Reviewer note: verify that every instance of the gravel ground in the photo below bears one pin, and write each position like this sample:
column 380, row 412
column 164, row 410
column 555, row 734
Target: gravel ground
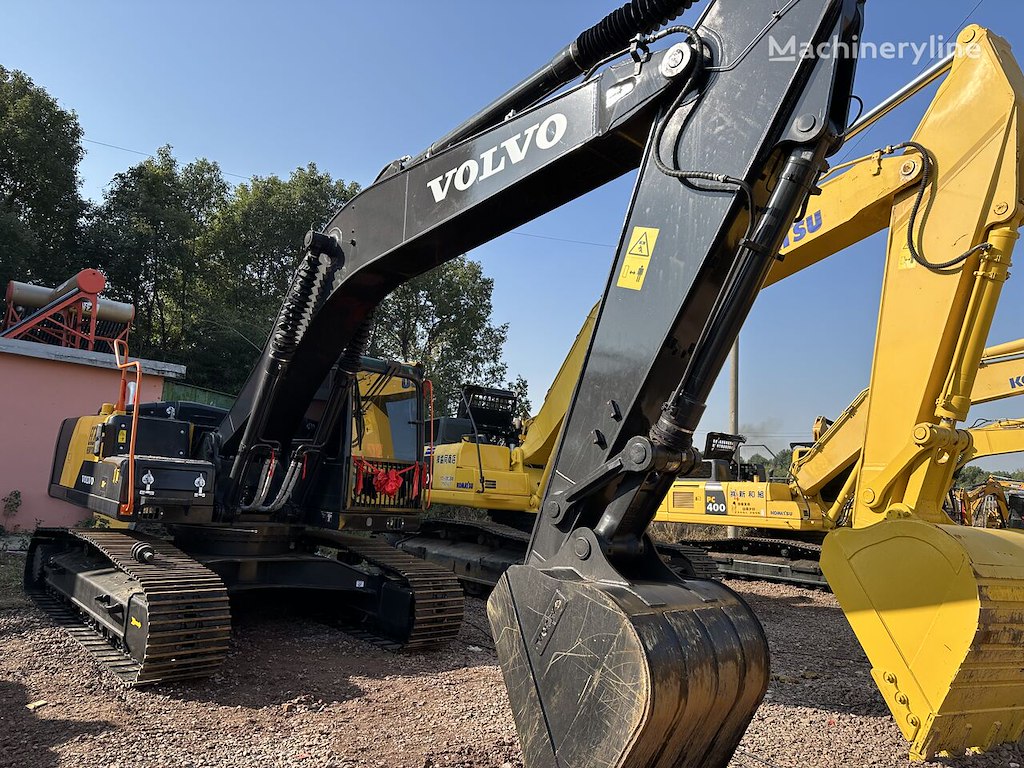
column 297, row 693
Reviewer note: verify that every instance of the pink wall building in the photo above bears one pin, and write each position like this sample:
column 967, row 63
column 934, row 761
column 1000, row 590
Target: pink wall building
column 40, row 386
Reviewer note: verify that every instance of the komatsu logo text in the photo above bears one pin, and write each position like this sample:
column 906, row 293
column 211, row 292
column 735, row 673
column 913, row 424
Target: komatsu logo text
column 1017, row 383
column 803, row 229
column 543, row 135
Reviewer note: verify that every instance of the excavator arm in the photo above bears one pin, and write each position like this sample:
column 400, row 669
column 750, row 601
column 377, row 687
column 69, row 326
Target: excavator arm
column 838, row 450
column 609, row 658
column 1001, row 373
column 968, row 183
column 995, row 439
column 934, row 604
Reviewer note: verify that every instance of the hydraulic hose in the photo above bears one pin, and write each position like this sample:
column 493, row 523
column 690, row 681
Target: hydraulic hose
column 351, row 359
column 614, row 31
column 591, row 47
column 681, row 414
column 348, row 365
column 915, row 246
column 297, row 307
column 292, row 319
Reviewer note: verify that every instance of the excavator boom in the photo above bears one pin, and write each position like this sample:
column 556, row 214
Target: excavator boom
column 934, row 604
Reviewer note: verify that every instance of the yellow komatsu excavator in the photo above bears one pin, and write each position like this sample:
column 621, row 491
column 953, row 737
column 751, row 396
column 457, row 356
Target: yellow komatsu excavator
column 934, row 604
column 817, row 491
column 474, row 466
column 996, row 503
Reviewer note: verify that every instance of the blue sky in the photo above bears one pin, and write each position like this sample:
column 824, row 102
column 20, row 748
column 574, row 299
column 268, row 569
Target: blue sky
column 263, row 87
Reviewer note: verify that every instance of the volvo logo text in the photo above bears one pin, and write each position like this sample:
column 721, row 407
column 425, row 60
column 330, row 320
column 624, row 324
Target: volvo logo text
column 543, row 135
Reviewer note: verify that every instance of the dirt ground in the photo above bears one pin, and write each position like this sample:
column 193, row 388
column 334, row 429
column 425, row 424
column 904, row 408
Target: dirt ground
column 298, row 693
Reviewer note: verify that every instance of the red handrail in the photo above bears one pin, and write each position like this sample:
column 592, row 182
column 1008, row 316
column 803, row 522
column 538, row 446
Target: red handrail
column 124, row 365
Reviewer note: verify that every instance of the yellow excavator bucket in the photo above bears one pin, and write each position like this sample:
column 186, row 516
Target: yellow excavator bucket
column 939, row 610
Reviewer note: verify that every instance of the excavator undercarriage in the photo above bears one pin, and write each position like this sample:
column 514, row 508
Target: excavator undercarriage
column 152, row 583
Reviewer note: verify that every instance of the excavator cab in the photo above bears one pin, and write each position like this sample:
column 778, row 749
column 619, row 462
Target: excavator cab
column 491, row 413
column 1015, row 502
column 484, row 415
column 372, row 470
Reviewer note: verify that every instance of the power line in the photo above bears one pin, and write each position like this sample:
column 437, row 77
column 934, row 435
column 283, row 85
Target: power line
column 148, row 154
column 114, row 146
column 966, row 19
column 561, row 239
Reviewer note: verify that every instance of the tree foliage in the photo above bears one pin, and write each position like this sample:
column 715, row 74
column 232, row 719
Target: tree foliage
column 145, row 235
column 972, row 475
column 776, row 466
column 521, row 389
column 442, row 319
column 207, row 265
column 254, row 240
column 968, row 477
column 40, row 204
column 251, row 247
column 207, row 268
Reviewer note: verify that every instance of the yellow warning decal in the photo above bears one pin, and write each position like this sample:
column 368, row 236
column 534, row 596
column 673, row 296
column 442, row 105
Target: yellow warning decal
column 637, row 262
column 122, row 436
column 136, row 623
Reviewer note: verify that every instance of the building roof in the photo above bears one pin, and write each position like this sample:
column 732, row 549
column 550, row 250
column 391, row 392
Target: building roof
column 84, row 357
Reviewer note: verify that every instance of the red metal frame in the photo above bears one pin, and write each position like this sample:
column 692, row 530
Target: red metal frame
column 70, row 320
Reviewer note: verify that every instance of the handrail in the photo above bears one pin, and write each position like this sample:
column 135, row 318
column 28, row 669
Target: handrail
column 124, row 365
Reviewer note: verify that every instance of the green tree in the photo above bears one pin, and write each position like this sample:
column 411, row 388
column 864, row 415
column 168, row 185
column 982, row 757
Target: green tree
column 442, row 319
column 780, row 463
column 250, row 246
column 970, row 476
column 777, row 466
column 521, row 389
column 40, row 203
column 145, row 237
column 759, row 458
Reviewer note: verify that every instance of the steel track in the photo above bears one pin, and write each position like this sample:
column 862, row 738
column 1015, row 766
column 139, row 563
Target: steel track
column 438, row 600
column 778, row 560
column 686, row 559
column 187, row 613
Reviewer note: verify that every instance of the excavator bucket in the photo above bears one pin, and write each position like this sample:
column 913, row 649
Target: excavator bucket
column 939, row 610
column 644, row 675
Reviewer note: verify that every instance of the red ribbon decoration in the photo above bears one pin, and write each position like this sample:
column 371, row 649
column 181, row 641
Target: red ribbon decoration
column 385, row 481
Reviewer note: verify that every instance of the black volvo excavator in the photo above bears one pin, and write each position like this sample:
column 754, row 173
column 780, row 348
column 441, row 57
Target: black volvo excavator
column 610, row 658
